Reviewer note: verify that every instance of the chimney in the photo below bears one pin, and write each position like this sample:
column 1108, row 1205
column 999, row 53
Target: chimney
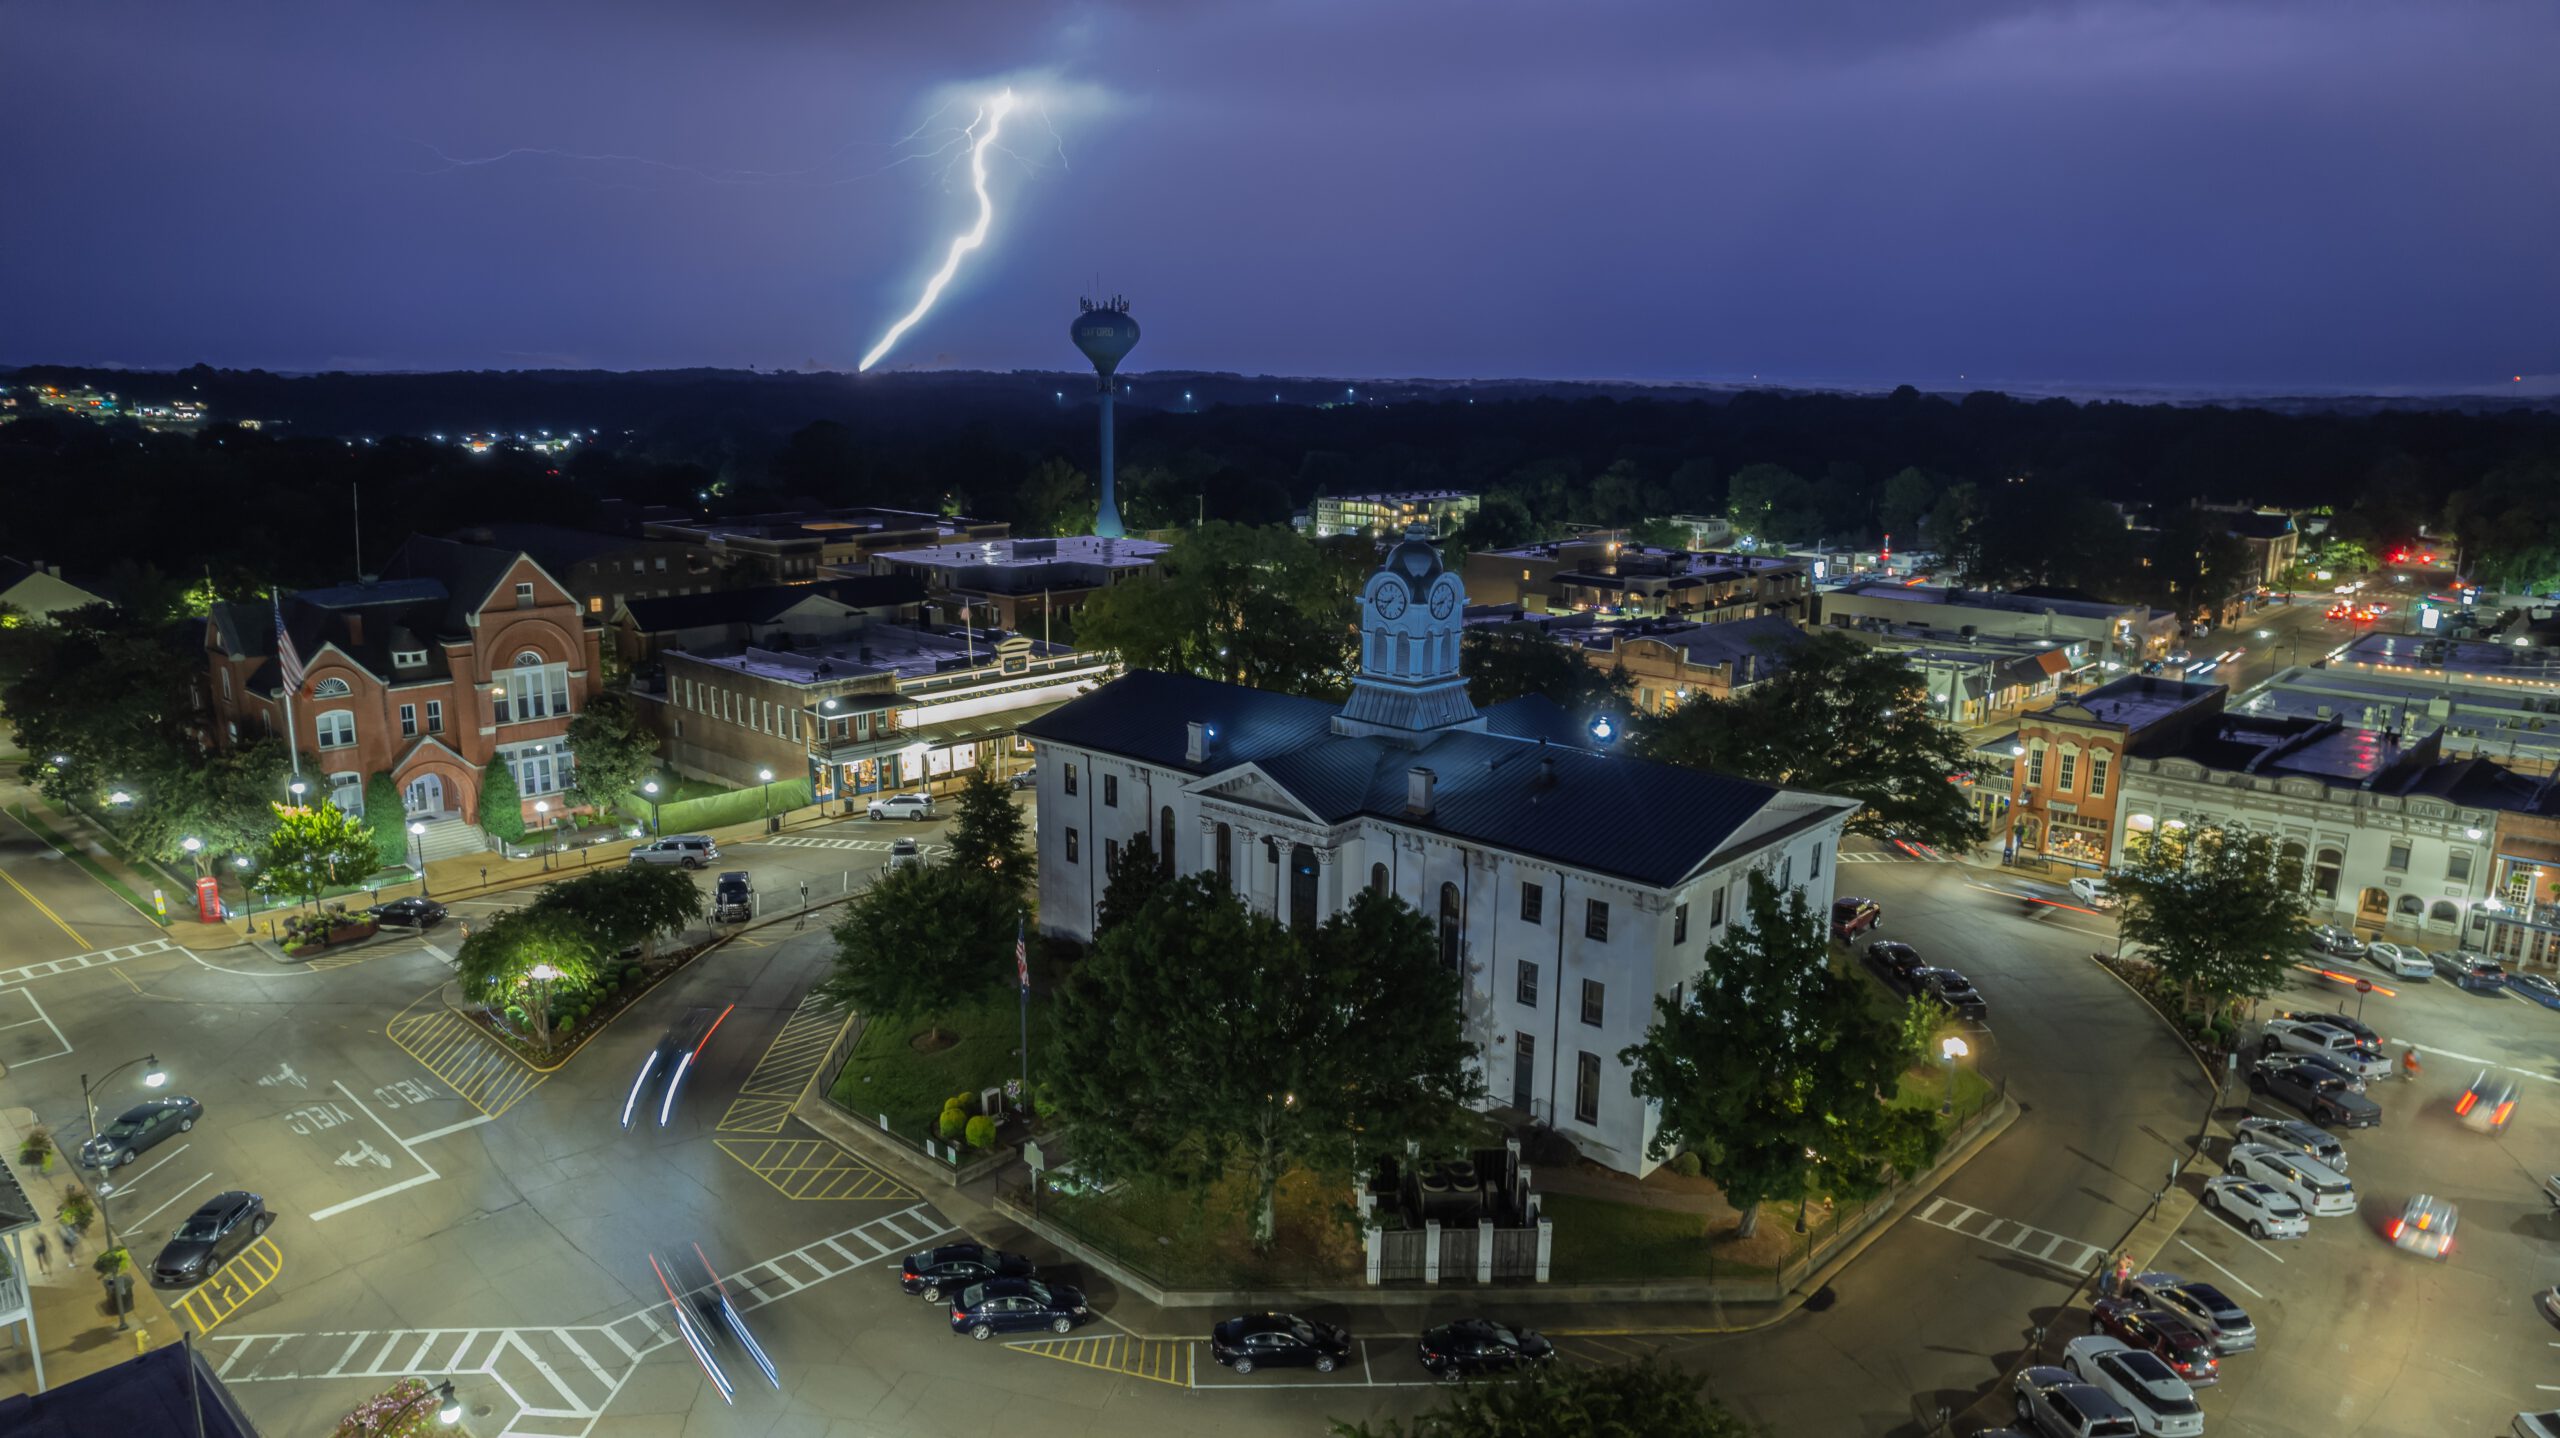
column 1204, row 738
column 1417, row 791
column 355, row 628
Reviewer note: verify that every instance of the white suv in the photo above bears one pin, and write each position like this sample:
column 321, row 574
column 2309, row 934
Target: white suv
column 2054, row 1402
column 903, row 806
column 2264, row 1210
column 691, row 851
column 2316, row 1186
column 2162, row 1404
column 2303, row 1036
column 2093, row 892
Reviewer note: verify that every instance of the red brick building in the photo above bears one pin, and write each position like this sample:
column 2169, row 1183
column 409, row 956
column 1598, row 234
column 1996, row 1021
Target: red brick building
column 454, row 657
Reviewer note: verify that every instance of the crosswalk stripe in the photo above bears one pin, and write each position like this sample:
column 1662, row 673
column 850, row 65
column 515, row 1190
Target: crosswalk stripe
column 2070, row 1254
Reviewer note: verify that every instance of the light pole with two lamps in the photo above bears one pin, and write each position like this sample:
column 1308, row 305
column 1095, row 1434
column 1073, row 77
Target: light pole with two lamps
column 153, row 1076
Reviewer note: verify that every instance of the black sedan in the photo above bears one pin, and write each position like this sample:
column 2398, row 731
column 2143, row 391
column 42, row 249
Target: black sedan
column 1955, row 993
column 138, row 1128
column 1017, row 1305
column 1473, row 1347
column 212, row 1236
column 1271, row 1340
column 409, row 913
column 955, row 1266
column 1898, row 962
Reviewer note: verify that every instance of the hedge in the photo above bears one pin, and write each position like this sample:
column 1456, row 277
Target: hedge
column 738, row 806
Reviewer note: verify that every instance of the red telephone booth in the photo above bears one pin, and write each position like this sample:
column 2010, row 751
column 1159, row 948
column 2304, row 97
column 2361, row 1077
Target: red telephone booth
column 208, row 901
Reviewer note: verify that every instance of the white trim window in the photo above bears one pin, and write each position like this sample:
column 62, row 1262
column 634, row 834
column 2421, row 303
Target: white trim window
column 331, row 689
column 544, row 766
column 408, row 659
column 408, row 721
column 346, row 790
column 533, row 690
column 336, row 728
column 435, row 716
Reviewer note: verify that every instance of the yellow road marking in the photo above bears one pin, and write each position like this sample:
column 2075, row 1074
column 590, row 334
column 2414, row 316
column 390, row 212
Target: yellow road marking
column 812, row 1170
column 233, row 1284
column 764, row 1100
column 41, row 908
column 1158, row 1360
column 476, row 1067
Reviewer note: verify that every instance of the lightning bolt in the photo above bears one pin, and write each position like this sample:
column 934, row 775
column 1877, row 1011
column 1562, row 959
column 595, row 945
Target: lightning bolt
column 993, row 116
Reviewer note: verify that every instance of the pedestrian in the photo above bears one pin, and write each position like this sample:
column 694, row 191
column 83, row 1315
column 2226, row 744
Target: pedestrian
column 70, row 1244
column 44, row 1252
column 2409, row 1062
column 466, row 929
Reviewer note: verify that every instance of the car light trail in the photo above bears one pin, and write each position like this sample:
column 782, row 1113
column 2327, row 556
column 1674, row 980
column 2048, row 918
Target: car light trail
column 2350, row 980
column 961, row 245
column 648, row 1066
column 737, row 1322
column 693, row 1340
column 675, row 1084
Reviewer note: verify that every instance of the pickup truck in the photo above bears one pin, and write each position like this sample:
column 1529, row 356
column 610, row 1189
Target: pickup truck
column 2322, row 1097
column 2327, row 1041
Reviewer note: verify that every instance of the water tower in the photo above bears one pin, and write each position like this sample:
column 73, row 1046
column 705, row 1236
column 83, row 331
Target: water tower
column 1106, row 334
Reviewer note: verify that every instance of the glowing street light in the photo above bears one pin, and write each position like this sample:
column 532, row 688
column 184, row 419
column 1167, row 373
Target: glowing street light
column 651, row 789
column 1951, row 1048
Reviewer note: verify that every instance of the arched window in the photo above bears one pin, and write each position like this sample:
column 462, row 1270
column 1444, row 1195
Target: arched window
column 528, row 660
column 1226, row 856
column 1449, row 926
column 1164, row 844
column 2325, row 871
column 2444, row 913
column 1378, row 878
column 2412, row 905
column 2290, row 861
column 1303, row 873
column 331, row 689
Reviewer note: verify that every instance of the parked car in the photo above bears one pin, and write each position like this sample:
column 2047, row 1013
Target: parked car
column 2185, row 1345
column 2536, row 1425
column 2400, row 960
column 1955, row 993
column 2548, row 1300
column 905, row 854
column 2318, row 1092
column 2316, row 1186
column 1274, row 1340
column 733, row 898
column 2426, row 1226
column 2263, row 1209
column 1016, row 1305
column 2331, row 939
column 212, row 1236
column 2059, row 1405
column 2208, row 1308
column 691, row 851
column 413, row 912
column 2335, row 1046
column 2162, row 1404
column 2536, row 988
column 902, row 806
column 2470, row 969
column 138, row 1128
column 1897, row 962
column 2291, row 1135
column 2093, row 892
column 2364, row 1034
column 955, row 1266
column 1026, row 777
column 1852, row 917
column 1473, row 1347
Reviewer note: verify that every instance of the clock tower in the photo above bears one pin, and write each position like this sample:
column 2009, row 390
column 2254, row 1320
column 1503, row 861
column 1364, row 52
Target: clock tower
column 1412, row 612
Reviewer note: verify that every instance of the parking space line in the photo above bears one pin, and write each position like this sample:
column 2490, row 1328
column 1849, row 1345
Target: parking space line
column 136, row 1225
column 2227, row 1273
column 110, row 1190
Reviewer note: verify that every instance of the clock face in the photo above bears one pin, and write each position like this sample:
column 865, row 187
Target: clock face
column 1444, row 599
column 1391, row 602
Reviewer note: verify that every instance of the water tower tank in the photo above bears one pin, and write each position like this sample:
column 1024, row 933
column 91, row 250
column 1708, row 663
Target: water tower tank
column 1106, row 336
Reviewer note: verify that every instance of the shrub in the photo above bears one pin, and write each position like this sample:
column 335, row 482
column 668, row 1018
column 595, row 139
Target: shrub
column 36, row 1149
column 954, row 1123
column 1687, row 1165
column 111, row 1262
column 78, row 1210
column 982, row 1131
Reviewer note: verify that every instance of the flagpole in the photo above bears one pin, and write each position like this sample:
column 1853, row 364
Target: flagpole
column 292, row 742
column 1022, row 968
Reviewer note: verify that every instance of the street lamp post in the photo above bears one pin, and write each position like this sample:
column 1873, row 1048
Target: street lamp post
column 542, row 821
column 1951, row 1048
column 765, row 778
column 152, row 1077
column 195, row 850
column 418, row 853
column 448, row 1407
column 248, row 891
column 651, row 789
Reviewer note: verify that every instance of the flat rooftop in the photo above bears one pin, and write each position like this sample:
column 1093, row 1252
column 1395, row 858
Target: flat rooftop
column 880, row 649
column 1651, row 560
column 1403, row 496
column 2480, row 658
column 1958, row 597
column 2137, row 700
column 1026, row 553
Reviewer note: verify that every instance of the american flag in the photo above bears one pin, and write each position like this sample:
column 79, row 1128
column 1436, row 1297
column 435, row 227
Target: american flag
column 286, row 659
column 1021, row 958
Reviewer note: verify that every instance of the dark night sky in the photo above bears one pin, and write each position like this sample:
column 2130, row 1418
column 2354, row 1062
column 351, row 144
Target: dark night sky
column 2315, row 193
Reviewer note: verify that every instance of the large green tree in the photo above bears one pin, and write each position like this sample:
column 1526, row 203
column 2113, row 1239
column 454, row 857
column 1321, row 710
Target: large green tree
column 2222, row 912
column 1264, row 1047
column 1645, row 1399
column 314, row 848
column 105, row 695
column 1778, row 1073
column 1131, row 878
column 226, row 799
column 637, row 904
column 1908, row 497
column 614, row 752
column 924, row 940
column 986, row 833
column 1773, row 505
column 522, row 955
column 1056, row 498
column 1841, row 718
column 1501, row 664
column 1249, row 604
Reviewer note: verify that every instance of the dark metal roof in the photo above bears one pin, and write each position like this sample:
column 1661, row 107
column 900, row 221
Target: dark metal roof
column 1611, row 813
column 764, row 603
column 169, row 1390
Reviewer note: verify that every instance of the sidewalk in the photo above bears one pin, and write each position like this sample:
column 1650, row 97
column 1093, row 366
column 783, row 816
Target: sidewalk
column 73, row 1322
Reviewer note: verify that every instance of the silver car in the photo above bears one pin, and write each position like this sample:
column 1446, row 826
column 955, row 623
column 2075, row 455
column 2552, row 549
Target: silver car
column 2330, row 939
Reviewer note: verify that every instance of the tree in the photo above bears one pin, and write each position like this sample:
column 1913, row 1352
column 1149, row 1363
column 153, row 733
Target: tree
column 225, row 799
column 1251, row 605
column 387, row 819
column 1645, row 1399
column 501, row 806
column 1133, row 877
column 1267, row 1048
column 1908, row 496
column 1057, row 498
column 924, row 940
column 1779, row 1072
column 635, row 904
column 314, row 848
column 1840, row 718
column 615, row 751
column 532, row 948
column 1500, row 522
column 2220, row 911
column 1951, row 521
column 104, row 694
column 1501, row 664
column 1772, row 504
column 986, row 833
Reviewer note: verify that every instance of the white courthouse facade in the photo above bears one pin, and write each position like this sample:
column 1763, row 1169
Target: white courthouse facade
column 1571, row 884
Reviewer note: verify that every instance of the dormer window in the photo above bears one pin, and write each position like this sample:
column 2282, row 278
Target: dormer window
column 408, row 659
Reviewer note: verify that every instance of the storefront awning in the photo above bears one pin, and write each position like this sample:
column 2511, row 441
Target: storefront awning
column 974, row 728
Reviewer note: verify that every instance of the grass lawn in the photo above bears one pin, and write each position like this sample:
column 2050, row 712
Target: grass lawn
column 1188, row 1240
column 888, row 1074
